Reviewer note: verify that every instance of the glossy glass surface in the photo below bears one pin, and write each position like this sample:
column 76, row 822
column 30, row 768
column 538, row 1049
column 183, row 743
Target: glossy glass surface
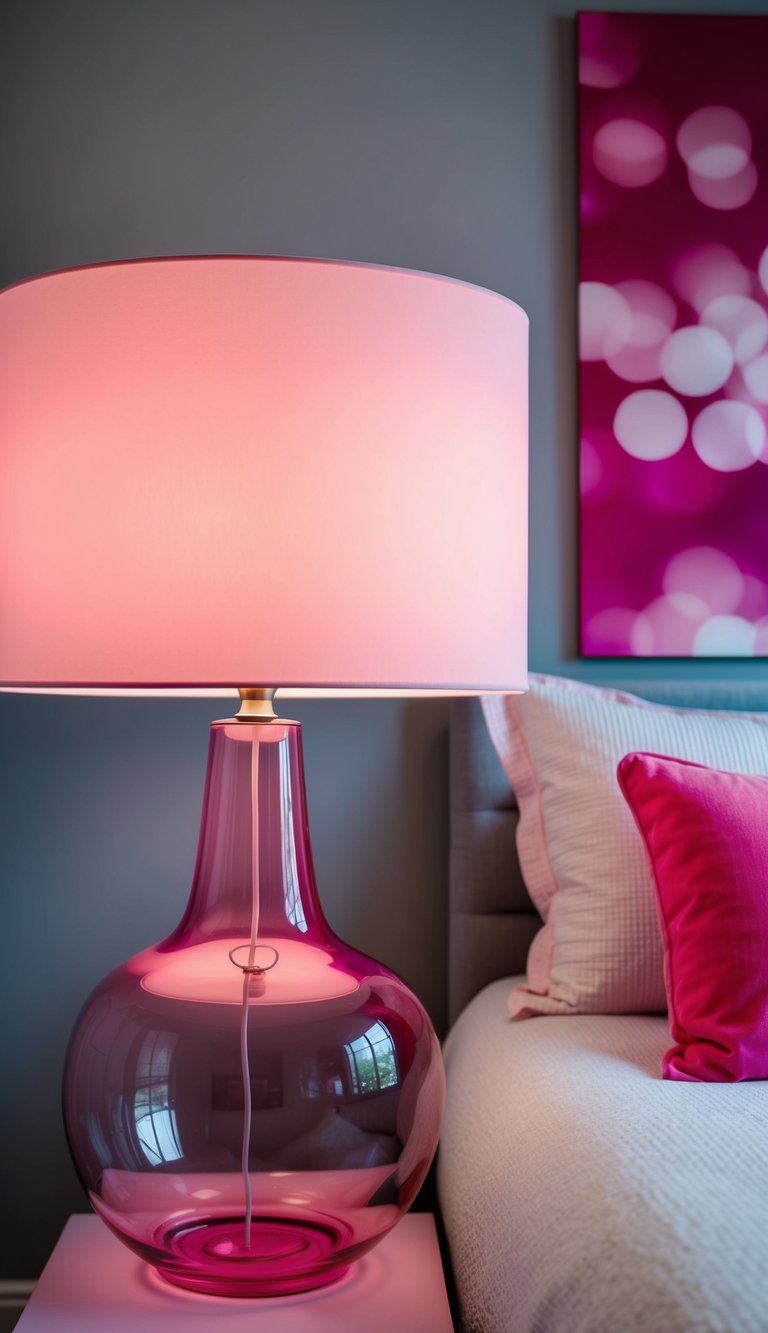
column 346, row 1082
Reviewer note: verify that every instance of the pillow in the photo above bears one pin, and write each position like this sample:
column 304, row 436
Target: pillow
column 706, row 835
column 581, row 855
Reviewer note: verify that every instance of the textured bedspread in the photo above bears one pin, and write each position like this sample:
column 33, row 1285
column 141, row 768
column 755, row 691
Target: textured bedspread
column 581, row 1194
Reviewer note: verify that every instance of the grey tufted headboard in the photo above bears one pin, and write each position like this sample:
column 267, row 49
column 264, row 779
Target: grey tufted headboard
column 492, row 919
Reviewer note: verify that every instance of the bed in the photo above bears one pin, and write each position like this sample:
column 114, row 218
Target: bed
column 580, row 1192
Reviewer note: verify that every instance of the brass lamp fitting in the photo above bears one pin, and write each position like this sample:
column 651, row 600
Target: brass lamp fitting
column 256, row 705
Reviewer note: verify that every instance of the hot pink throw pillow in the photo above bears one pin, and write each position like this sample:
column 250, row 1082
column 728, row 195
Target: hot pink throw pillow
column 706, row 835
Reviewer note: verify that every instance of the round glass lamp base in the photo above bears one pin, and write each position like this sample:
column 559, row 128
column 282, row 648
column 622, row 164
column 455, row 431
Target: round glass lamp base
column 285, row 1256
column 251, row 1103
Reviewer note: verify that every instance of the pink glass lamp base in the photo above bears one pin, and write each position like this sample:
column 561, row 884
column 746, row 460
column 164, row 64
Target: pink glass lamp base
column 252, row 1132
column 284, row 1256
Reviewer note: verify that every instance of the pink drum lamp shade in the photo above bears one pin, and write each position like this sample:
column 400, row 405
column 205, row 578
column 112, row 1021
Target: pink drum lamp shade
column 221, row 473
column 226, row 471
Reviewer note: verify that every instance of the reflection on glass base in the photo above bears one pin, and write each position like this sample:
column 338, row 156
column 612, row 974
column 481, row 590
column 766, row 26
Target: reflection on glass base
column 284, row 1256
column 337, row 1108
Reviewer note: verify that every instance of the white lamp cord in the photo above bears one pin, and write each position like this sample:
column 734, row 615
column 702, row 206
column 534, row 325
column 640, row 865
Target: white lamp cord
column 247, row 1105
column 244, row 1061
column 250, row 969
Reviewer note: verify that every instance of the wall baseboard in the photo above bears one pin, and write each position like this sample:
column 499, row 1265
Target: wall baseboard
column 14, row 1294
column 16, row 1289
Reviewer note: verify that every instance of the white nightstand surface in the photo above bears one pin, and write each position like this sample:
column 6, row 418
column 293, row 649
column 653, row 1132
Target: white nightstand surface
column 93, row 1284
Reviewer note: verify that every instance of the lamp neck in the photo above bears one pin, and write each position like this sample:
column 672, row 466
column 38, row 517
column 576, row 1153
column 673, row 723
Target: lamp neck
column 254, row 875
column 256, row 704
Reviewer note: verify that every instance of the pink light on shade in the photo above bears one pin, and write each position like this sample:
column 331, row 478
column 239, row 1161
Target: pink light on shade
column 230, row 471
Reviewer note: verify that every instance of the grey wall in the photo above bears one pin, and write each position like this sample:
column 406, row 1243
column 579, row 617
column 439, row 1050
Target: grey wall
column 431, row 134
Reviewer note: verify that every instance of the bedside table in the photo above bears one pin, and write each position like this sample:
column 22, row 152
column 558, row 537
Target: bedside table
column 93, row 1284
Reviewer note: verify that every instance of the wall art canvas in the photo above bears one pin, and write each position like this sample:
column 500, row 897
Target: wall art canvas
column 673, row 334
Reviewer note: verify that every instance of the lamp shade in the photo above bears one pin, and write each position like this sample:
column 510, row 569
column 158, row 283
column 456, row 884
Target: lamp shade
column 224, row 471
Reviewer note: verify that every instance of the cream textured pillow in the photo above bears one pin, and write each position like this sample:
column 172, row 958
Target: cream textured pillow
column 583, row 861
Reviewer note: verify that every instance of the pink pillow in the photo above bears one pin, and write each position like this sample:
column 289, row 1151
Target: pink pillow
column 599, row 950
column 706, row 836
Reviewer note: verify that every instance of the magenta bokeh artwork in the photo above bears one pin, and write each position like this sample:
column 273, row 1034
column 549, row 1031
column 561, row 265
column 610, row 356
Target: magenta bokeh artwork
column 673, row 335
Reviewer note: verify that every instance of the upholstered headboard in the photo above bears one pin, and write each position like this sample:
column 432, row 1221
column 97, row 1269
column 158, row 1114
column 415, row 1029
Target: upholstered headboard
column 492, row 919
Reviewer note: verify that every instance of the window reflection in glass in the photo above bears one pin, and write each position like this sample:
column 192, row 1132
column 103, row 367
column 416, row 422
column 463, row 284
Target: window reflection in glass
column 372, row 1061
column 293, row 905
column 153, row 1115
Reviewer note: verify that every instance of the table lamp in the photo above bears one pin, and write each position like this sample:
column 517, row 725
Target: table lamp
column 223, row 473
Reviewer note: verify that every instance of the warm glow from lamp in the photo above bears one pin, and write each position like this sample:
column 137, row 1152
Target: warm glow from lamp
column 203, row 974
column 230, row 471
column 251, row 473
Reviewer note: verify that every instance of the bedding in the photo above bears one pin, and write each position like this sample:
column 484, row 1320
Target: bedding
column 599, row 949
column 580, row 1191
column 582, row 1194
